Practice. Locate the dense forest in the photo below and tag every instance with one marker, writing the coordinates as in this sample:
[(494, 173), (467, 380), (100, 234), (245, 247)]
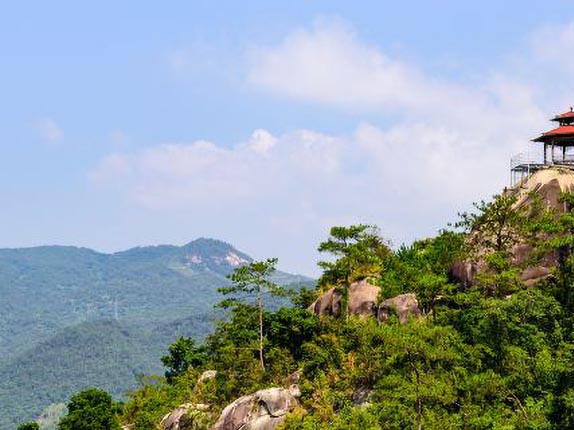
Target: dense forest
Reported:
[(490, 345), (71, 317)]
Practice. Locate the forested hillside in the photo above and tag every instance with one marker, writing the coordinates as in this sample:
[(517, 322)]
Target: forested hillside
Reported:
[(72, 318), (472, 329)]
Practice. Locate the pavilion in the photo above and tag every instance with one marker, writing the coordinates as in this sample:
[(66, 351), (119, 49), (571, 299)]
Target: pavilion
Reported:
[(559, 139)]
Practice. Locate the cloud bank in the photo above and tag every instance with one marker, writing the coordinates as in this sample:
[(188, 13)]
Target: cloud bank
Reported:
[(449, 146)]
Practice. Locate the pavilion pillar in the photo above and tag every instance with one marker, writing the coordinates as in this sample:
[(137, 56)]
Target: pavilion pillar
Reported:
[(552, 153), (544, 153), (564, 154)]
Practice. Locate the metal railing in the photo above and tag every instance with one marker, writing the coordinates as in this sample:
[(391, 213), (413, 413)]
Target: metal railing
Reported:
[(524, 164)]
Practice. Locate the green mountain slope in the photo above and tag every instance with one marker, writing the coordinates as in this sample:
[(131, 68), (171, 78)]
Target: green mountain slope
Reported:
[(73, 317)]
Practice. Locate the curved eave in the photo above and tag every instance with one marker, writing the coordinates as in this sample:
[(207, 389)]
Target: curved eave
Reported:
[(566, 116), (556, 138), (562, 134)]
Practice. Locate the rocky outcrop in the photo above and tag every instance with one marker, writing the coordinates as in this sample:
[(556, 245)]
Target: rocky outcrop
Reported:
[(546, 185), (463, 273), (263, 410), (405, 306), (328, 304), (188, 416), (363, 299)]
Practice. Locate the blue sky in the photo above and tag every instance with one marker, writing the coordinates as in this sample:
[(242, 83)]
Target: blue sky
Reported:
[(264, 123)]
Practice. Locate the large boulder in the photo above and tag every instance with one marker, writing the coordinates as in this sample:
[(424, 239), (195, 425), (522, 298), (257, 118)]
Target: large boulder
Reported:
[(328, 304), (189, 416), (463, 272), (263, 410), (362, 300), (405, 306)]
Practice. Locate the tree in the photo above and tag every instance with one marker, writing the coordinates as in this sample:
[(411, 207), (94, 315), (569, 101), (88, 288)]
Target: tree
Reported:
[(253, 279), (496, 225), (30, 425), (493, 231), (183, 354), (91, 409), (359, 252), (422, 268)]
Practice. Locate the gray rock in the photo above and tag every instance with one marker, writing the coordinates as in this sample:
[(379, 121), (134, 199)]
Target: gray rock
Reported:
[(263, 410), (405, 306), (184, 417), (362, 300), (207, 375)]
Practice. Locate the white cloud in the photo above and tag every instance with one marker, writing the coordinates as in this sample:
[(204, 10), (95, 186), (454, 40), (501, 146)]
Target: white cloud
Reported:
[(290, 188), (327, 64), (261, 141), (447, 131), (201, 172), (450, 146), (49, 130)]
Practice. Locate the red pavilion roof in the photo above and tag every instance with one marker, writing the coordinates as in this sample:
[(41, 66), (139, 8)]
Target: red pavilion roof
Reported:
[(563, 116), (563, 131)]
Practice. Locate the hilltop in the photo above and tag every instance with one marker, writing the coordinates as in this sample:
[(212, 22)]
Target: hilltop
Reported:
[(394, 339)]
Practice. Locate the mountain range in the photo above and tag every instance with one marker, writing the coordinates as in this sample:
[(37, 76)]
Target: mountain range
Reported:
[(73, 317)]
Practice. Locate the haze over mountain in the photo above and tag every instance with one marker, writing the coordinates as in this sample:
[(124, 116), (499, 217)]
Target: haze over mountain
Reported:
[(72, 317)]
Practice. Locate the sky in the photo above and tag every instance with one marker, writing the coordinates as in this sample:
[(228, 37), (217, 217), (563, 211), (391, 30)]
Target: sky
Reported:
[(265, 123)]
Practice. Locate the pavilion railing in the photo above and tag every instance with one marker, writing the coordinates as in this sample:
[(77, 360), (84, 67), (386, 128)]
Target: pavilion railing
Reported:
[(524, 160), (522, 165)]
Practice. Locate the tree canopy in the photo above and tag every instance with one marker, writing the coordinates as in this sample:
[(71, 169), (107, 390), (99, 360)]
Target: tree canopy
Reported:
[(493, 354), (91, 409)]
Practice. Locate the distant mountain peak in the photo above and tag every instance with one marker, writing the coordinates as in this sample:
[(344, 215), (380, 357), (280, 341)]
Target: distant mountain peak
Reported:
[(213, 254), (208, 241)]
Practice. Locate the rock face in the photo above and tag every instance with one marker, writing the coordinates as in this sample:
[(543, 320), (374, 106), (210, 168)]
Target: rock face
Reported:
[(363, 299), (263, 410), (184, 417), (548, 185), (328, 304), (404, 306)]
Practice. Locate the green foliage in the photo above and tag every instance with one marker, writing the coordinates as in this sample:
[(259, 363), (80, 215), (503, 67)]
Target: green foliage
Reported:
[(30, 425), (183, 354), (91, 409), (422, 268), (58, 327), (494, 355), (359, 252), (495, 225), (254, 279)]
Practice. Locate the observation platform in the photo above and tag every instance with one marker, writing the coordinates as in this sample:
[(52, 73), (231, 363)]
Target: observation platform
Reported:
[(557, 150)]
